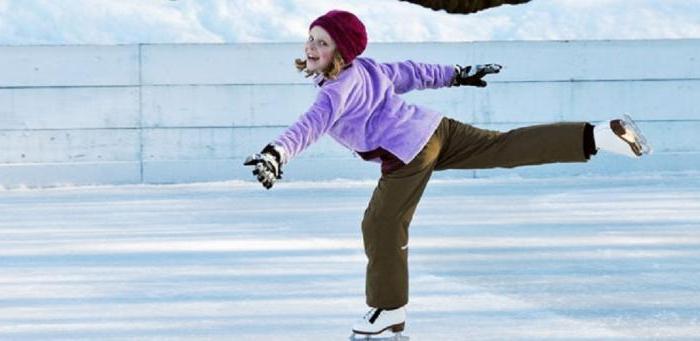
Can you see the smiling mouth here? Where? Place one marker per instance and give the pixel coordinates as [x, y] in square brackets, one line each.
[312, 58]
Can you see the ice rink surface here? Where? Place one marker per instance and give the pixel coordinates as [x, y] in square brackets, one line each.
[502, 258]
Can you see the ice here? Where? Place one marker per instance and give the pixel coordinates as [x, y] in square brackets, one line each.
[385, 336]
[499, 258]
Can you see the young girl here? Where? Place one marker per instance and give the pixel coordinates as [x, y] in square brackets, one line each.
[358, 104]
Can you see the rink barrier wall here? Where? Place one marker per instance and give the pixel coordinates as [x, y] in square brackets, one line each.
[192, 112]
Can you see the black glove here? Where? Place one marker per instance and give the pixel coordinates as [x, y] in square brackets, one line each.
[267, 165]
[472, 75]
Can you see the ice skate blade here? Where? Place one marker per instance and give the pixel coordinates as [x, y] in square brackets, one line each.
[628, 131]
[386, 336]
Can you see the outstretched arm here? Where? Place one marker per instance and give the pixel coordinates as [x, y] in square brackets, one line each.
[410, 75]
[305, 131]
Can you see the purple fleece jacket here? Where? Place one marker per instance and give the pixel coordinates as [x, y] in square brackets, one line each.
[362, 110]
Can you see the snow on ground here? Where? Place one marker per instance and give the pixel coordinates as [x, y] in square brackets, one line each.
[27, 22]
[503, 258]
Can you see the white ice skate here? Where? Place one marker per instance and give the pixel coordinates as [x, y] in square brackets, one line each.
[621, 136]
[381, 324]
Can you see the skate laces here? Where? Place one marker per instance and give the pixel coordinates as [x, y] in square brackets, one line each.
[369, 313]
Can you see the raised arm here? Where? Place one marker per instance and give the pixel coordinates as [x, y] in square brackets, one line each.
[410, 75]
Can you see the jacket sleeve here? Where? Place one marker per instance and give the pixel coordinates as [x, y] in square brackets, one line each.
[463, 6]
[410, 75]
[310, 126]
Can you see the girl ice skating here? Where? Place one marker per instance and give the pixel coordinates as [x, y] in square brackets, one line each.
[358, 105]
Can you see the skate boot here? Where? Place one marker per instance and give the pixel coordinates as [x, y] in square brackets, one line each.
[380, 324]
[621, 136]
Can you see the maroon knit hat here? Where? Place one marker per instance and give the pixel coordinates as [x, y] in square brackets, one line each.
[347, 31]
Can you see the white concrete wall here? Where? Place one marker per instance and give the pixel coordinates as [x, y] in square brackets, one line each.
[180, 113]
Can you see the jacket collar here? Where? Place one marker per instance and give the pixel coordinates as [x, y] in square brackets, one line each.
[319, 80]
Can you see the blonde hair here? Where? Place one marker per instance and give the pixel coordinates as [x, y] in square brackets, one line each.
[331, 72]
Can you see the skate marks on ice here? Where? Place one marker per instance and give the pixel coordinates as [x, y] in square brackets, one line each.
[178, 262]
[599, 258]
[454, 309]
[601, 262]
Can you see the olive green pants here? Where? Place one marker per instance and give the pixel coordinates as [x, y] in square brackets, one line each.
[454, 145]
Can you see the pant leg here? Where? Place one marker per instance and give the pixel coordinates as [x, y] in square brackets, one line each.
[385, 227]
[454, 145]
[468, 147]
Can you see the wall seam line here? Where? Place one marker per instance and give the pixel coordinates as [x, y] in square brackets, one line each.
[140, 125]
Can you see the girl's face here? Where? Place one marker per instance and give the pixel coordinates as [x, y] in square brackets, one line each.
[319, 49]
